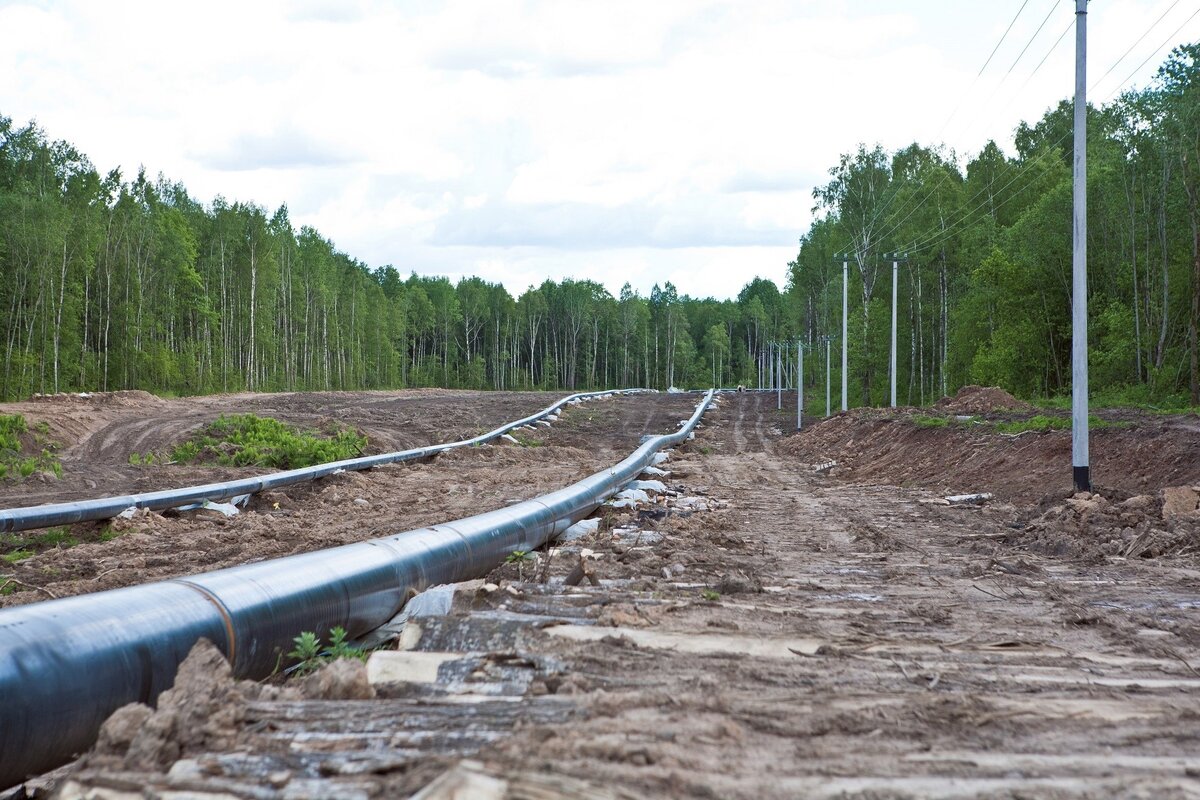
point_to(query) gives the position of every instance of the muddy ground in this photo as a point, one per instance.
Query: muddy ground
(762, 630)
(340, 509)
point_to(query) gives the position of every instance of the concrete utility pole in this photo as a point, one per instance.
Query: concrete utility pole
(779, 373)
(1079, 352)
(896, 259)
(800, 385)
(828, 372)
(845, 257)
(770, 356)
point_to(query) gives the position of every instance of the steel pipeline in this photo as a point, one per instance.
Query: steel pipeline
(20, 519)
(65, 665)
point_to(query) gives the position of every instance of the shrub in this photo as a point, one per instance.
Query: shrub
(245, 440)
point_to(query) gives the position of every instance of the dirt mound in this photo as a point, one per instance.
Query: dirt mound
(1140, 457)
(980, 400)
(1091, 526)
(125, 398)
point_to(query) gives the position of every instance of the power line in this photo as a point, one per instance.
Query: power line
(1157, 49)
(1053, 6)
(1002, 38)
(939, 236)
(958, 106)
(1032, 38)
(1124, 55)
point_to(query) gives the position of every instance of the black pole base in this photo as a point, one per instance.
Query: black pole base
(1083, 482)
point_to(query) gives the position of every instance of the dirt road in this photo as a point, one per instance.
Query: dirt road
(764, 631)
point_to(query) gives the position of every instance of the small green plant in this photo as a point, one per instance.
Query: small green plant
(528, 441)
(14, 460)
(11, 428)
(925, 421)
(307, 652)
(311, 656)
(518, 557)
(711, 595)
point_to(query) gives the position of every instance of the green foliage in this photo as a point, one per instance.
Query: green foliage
(11, 428)
(1041, 422)
(14, 556)
(528, 441)
(311, 656)
(518, 557)
(307, 651)
(249, 440)
(711, 595)
(230, 296)
(923, 421)
(14, 444)
(21, 546)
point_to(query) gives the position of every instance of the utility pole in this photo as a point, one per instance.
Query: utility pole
(770, 357)
(1079, 352)
(896, 259)
(800, 385)
(845, 258)
(779, 374)
(828, 371)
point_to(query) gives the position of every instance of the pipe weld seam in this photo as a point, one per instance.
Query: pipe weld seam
(226, 617)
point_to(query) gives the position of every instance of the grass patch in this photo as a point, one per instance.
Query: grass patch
(16, 442)
(20, 547)
(17, 555)
(246, 440)
(1042, 422)
(529, 441)
(923, 421)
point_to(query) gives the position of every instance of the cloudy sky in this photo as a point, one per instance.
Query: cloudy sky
(648, 141)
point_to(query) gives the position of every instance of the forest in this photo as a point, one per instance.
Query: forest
(109, 282)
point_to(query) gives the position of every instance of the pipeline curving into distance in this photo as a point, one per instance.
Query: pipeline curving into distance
(45, 516)
(65, 665)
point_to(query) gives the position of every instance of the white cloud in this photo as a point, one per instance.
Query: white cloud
(521, 139)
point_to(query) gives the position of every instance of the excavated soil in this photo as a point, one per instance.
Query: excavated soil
(1140, 454)
(351, 506)
(98, 432)
(761, 630)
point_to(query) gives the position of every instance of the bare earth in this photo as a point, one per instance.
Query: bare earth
(768, 631)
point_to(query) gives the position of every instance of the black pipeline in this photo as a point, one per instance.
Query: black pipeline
(20, 519)
(65, 665)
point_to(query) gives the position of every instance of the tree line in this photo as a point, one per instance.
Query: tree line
(113, 283)
(985, 292)
(109, 283)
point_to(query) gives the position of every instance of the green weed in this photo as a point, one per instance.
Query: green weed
(247, 440)
(312, 656)
(922, 421)
(17, 555)
(711, 595)
(1042, 422)
(14, 462)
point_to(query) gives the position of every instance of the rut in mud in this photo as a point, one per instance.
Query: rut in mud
(760, 631)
